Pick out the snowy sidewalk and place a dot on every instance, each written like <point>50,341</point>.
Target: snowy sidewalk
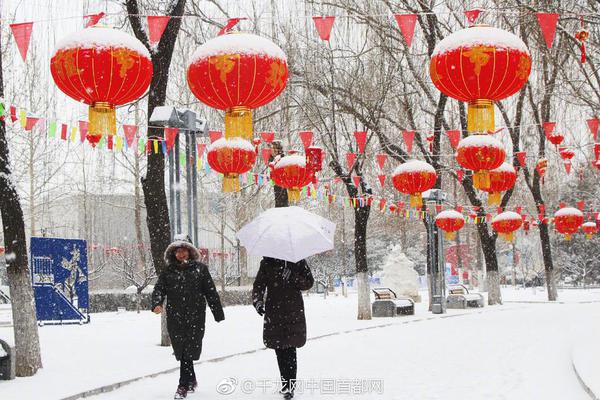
<point>586,358</point>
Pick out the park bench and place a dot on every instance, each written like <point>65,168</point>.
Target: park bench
<point>387,304</point>
<point>459,297</point>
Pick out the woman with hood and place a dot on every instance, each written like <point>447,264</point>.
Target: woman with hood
<point>284,326</point>
<point>188,286</point>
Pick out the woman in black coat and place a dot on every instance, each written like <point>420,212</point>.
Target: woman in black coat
<point>284,323</point>
<point>188,286</point>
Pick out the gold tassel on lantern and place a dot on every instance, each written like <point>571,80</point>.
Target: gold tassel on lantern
<point>481,179</point>
<point>568,237</point>
<point>507,237</point>
<point>588,236</point>
<point>293,195</point>
<point>238,123</point>
<point>231,183</point>
<point>416,200</point>
<point>480,116</point>
<point>494,198</point>
<point>450,235</point>
<point>103,119</point>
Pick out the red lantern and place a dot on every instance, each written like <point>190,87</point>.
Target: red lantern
<point>567,221</point>
<point>480,65</point>
<point>501,179</point>
<point>506,224</point>
<point>589,228</point>
<point>103,68</point>
<point>480,153</point>
<point>231,157</point>
<point>566,154</point>
<point>292,173</point>
<point>450,221</point>
<point>414,177</point>
<point>556,139</point>
<point>237,72</point>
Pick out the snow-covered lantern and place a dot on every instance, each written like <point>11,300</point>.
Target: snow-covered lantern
<point>231,157</point>
<point>480,153</point>
<point>567,221</point>
<point>590,229</point>
<point>450,221</point>
<point>501,179</point>
<point>413,178</point>
<point>480,65</point>
<point>506,224</point>
<point>292,172</point>
<point>104,68</point>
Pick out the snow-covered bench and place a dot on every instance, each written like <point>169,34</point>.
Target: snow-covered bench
<point>459,297</point>
<point>387,304</point>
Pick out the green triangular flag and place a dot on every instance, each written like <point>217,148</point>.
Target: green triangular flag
<point>102,142</point>
<point>1,110</point>
<point>182,160</point>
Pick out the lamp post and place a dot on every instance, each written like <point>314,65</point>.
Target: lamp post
<point>187,122</point>
<point>435,252</point>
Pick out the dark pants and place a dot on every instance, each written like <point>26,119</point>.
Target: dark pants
<point>288,365</point>
<point>187,376</point>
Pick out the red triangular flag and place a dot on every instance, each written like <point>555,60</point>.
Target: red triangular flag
<point>350,158</point>
<point>214,135</point>
<point>408,136</point>
<point>381,159</point>
<point>307,138</point>
<point>549,128</point>
<point>472,16</point>
<point>356,180</point>
<point>562,204</point>
<point>499,210</point>
<point>30,123</point>
<point>63,131</point>
<point>83,130</point>
<point>130,131</point>
<point>406,23</point>
<point>231,22</point>
<point>324,26</point>
<point>201,147</point>
<point>361,141</point>
<point>568,167</point>
<point>548,23</point>
<point>460,174</point>
<point>459,209</point>
<point>593,124</point>
<point>454,136</point>
<point>170,136</point>
<point>13,113</point>
<point>581,205</point>
<point>22,34</point>
<point>156,27</point>
<point>382,179</point>
<point>521,155</point>
<point>597,150</point>
<point>266,154</point>
<point>267,137</point>
<point>518,210</point>
<point>92,19</point>
<point>109,142</point>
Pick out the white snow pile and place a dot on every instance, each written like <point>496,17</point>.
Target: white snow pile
<point>413,166</point>
<point>104,38</point>
<point>480,35</point>
<point>480,141</point>
<point>505,167</point>
<point>294,159</point>
<point>236,143</point>
<point>568,211</point>
<point>507,216</point>
<point>449,214</point>
<point>398,274</point>
<point>238,43</point>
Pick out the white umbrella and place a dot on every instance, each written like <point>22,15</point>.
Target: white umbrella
<point>287,233</point>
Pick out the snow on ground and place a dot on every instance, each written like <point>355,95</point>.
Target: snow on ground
<point>498,352</point>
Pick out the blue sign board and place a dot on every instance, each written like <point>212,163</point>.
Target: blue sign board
<point>59,274</point>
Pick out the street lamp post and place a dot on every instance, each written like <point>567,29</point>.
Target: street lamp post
<point>435,249</point>
<point>192,126</point>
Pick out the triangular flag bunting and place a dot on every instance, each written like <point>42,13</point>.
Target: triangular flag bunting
<point>361,141</point>
<point>156,27</point>
<point>307,138</point>
<point>548,128</point>
<point>460,174</point>
<point>406,23</point>
<point>22,34</point>
<point>130,131</point>
<point>548,23</point>
<point>568,167</point>
<point>381,159</point>
<point>201,148</point>
<point>593,124</point>
<point>30,123</point>
<point>267,137</point>
<point>170,136</point>
<point>92,19</point>
<point>521,155</point>
<point>472,16</point>
<point>382,178</point>
<point>214,135</point>
<point>266,154</point>
<point>581,205</point>
<point>597,150</point>
<point>83,130</point>
<point>454,136</point>
<point>356,180</point>
<point>350,158</point>
<point>13,113</point>
<point>324,26</point>
<point>408,136</point>
<point>231,22</point>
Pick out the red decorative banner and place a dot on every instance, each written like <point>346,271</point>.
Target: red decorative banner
<point>460,175</point>
<point>170,136</point>
<point>63,131</point>
<point>324,26</point>
<point>406,23</point>
<point>231,22</point>
<point>156,27</point>
<point>454,136</point>
<point>597,150</point>
<point>13,114</point>
<point>521,156</point>
<point>268,137</point>
<point>30,123</point>
<point>382,178</point>
<point>201,148</point>
<point>408,136</point>
<point>92,19</point>
<point>382,204</point>
<point>581,205</point>
<point>306,137</point>
<point>266,154</point>
<point>382,158</point>
<point>350,159</point>
<point>472,16</point>
<point>361,141</point>
<point>548,22</point>
<point>356,180</point>
<point>568,167</point>
<point>130,132</point>
<point>214,135</point>
<point>22,34</point>
<point>83,130</point>
<point>593,124</point>
<point>548,128</point>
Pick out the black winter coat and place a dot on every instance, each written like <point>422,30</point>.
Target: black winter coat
<point>284,321</point>
<point>188,288</point>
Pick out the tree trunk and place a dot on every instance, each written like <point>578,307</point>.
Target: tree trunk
<point>361,217</point>
<point>548,263</point>
<point>488,247</point>
<point>153,185</point>
<point>27,343</point>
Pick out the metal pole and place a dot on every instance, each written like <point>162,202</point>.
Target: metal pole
<point>177,186</point>
<point>195,189</point>
<point>188,183</point>
<point>171,196</point>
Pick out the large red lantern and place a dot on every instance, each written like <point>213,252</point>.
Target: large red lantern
<point>237,72</point>
<point>480,153</point>
<point>413,178</point>
<point>292,173</point>
<point>104,68</point>
<point>450,221</point>
<point>590,229</point>
<point>480,65</point>
<point>501,179</point>
<point>231,157</point>
<point>567,221</point>
<point>506,224</point>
